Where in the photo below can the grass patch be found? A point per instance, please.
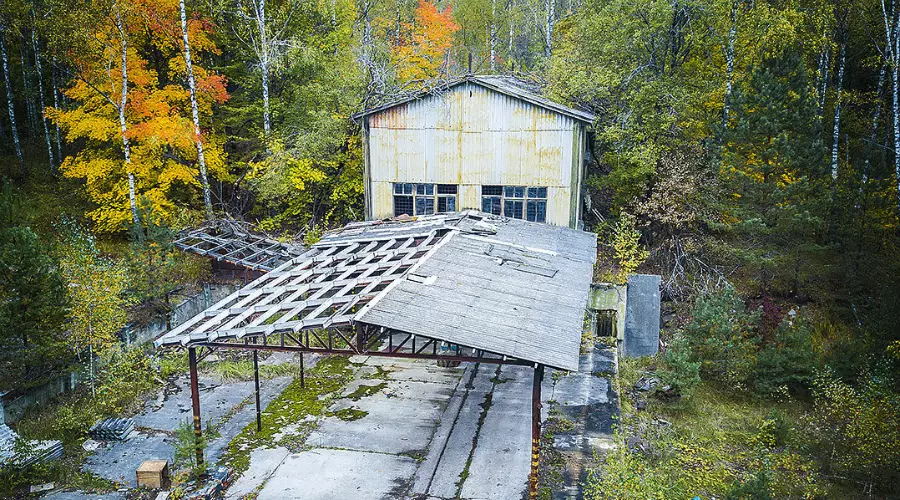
(296, 406)
(717, 443)
(233, 370)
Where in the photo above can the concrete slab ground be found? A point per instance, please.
(414, 431)
(228, 407)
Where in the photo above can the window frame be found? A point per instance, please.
(514, 202)
(420, 193)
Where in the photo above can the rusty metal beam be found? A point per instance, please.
(195, 404)
(256, 381)
(352, 352)
(535, 429)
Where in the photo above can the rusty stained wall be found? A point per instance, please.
(472, 136)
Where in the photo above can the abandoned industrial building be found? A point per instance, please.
(491, 143)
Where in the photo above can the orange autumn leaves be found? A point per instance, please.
(157, 113)
(424, 47)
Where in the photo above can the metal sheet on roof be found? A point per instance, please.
(504, 84)
(509, 287)
(521, 292)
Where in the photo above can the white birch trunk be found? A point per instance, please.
(492, 36)
(26, 90)
(822, 87)
(56, 106)
(512, 29)
(891, 31)
(729, 63)
(876, 117)
(837, 110)
(9, 102)
(126, 146)
(195, 113)
(549, 22)
(264, 63)
(40, 79)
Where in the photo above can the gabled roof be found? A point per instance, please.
(504, 84)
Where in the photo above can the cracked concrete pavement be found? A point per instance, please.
(419, 431)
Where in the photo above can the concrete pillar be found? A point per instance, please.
(642, 315)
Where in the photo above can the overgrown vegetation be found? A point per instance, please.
(731, 418)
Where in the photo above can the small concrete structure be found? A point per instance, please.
(610, 297)
(642, 315)
(636, 306)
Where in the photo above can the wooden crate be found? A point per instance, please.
(153, 474)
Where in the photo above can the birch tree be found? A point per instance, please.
(837, 104)
(55, 85)
(10, 101)
(729, 62)
(123, 102)
(195, 114)
(265, 37)
(892, 55)
(40, 80)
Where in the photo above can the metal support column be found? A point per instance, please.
(535, 428)
(195, 404)
(256, 380)
(302, 377)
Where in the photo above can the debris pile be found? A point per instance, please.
(31, 453)
(112, 429)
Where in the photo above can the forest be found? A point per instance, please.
(748, 151)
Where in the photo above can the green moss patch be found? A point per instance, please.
(365, 391)
(348, 414)
(289, 419)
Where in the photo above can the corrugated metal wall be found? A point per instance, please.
(472, 136)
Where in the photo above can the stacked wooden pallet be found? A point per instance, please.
(112, 429)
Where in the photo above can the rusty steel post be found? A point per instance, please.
(302, 378)
(195, 404)
(256, 380)
(535, 429)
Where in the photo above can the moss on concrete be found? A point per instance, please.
(290, 417)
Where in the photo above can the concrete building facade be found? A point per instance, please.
(490, 143)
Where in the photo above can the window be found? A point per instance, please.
(515, 202)
(421, 199)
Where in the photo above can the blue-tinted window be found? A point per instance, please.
(514, 191)
(517, 202)
(490, 204)
(536, 211)
(513, 209)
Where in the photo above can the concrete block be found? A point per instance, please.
(642, 315)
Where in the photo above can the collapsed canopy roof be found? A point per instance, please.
(504, 286)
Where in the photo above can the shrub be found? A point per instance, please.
(855, 431)
(186, 448)
(723, 335)
(681, 372)
(789, 361)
